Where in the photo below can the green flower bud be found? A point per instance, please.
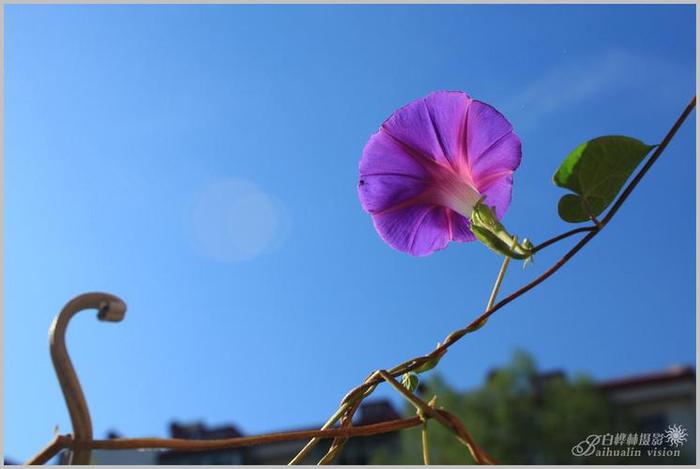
(410, 381)
(494, 235)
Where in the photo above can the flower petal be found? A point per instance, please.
(432, 234)
(431, 127)
(498, 194)
(486, 129)
(500, 159)
(459, 228)
(388, 175)
(384, 155)
(418, 230)
(448, 113)
(384, 192)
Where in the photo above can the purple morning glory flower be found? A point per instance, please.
(427, 166)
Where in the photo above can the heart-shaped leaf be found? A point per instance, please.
(596, 171)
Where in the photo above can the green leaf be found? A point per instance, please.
(596, 171)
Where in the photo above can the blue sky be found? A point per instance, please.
(201, 163)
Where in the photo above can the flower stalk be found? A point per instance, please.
(497, 285)
(426, 445)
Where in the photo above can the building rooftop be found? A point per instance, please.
(672, 374)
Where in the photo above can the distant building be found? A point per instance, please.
(655, 400)
(118, 457)
(121, 457)
(356, 451)
(198, 431)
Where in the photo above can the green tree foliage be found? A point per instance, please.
(519, 417)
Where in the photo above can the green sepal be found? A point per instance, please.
(494, 235)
